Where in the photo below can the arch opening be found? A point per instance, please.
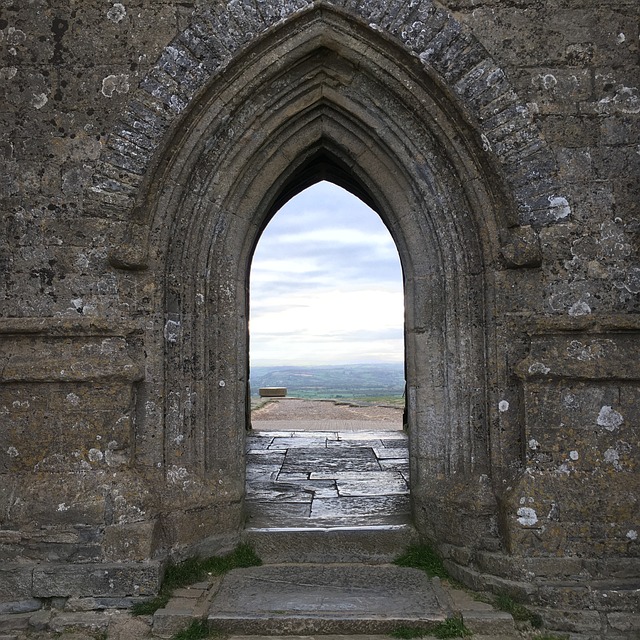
(327, 377)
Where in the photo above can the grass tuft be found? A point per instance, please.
(197, 630)
(423, 557)
(451, 628)
(195, 570)
(518, 611)
(149, 607)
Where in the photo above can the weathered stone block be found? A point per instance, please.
(97, 604)
(14, 622)
(624, 621)
(494, 623)
(573, 621)
(98, 580)
(20, 606)
(133, 542)
(92, 621)
(16, 582)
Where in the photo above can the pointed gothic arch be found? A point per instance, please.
(319, 96)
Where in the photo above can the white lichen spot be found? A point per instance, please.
(586, 352)
(574, 455)
(559, 207)
(63, 507)
(39, 100)
(503, 406)
(222, 383)
(527, 516)
(632, 534)
(580, 308)
(7, 73)
(176, 474)
(612, 456)
(95, 455)
(632, 283)
(12, 452)
(549, 81)
(199, 299)
(609, 418)
(15, 36)
(533, 444)
(570, 401)
(624, 100)
(171, 331)
(621, 38)
(73, 399)
(486, 144)
(115, 83)
(538, 367)
(117, 12)
(179, 439)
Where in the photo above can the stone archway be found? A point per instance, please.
(322, 96)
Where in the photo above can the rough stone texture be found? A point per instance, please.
(143, 147)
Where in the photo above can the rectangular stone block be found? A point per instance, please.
(571, 620)
(624, 621)
(97, 580)
(136, 541)
(15, 582)
(14, 622)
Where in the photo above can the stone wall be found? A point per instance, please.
(501, 146)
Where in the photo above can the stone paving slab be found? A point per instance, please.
(344, 480)
(311, 459)
(325, 599)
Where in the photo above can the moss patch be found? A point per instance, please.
(423, 557)
(518, 611)
(450, 628)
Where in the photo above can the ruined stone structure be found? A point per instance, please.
(145, 145)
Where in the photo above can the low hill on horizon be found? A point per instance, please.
(332, 381)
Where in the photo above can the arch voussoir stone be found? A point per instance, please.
(450, 54)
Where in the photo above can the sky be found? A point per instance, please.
(326, 284)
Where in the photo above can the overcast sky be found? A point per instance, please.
(326, 284)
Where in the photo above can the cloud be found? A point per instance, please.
(326, 284)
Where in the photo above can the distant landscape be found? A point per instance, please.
(382, 382)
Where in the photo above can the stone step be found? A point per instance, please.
(322, 599)
(371, 545)
(286, 599)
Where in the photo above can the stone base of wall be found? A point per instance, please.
(115, 581)
(570, 594)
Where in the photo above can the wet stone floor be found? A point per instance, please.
(327, 479)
